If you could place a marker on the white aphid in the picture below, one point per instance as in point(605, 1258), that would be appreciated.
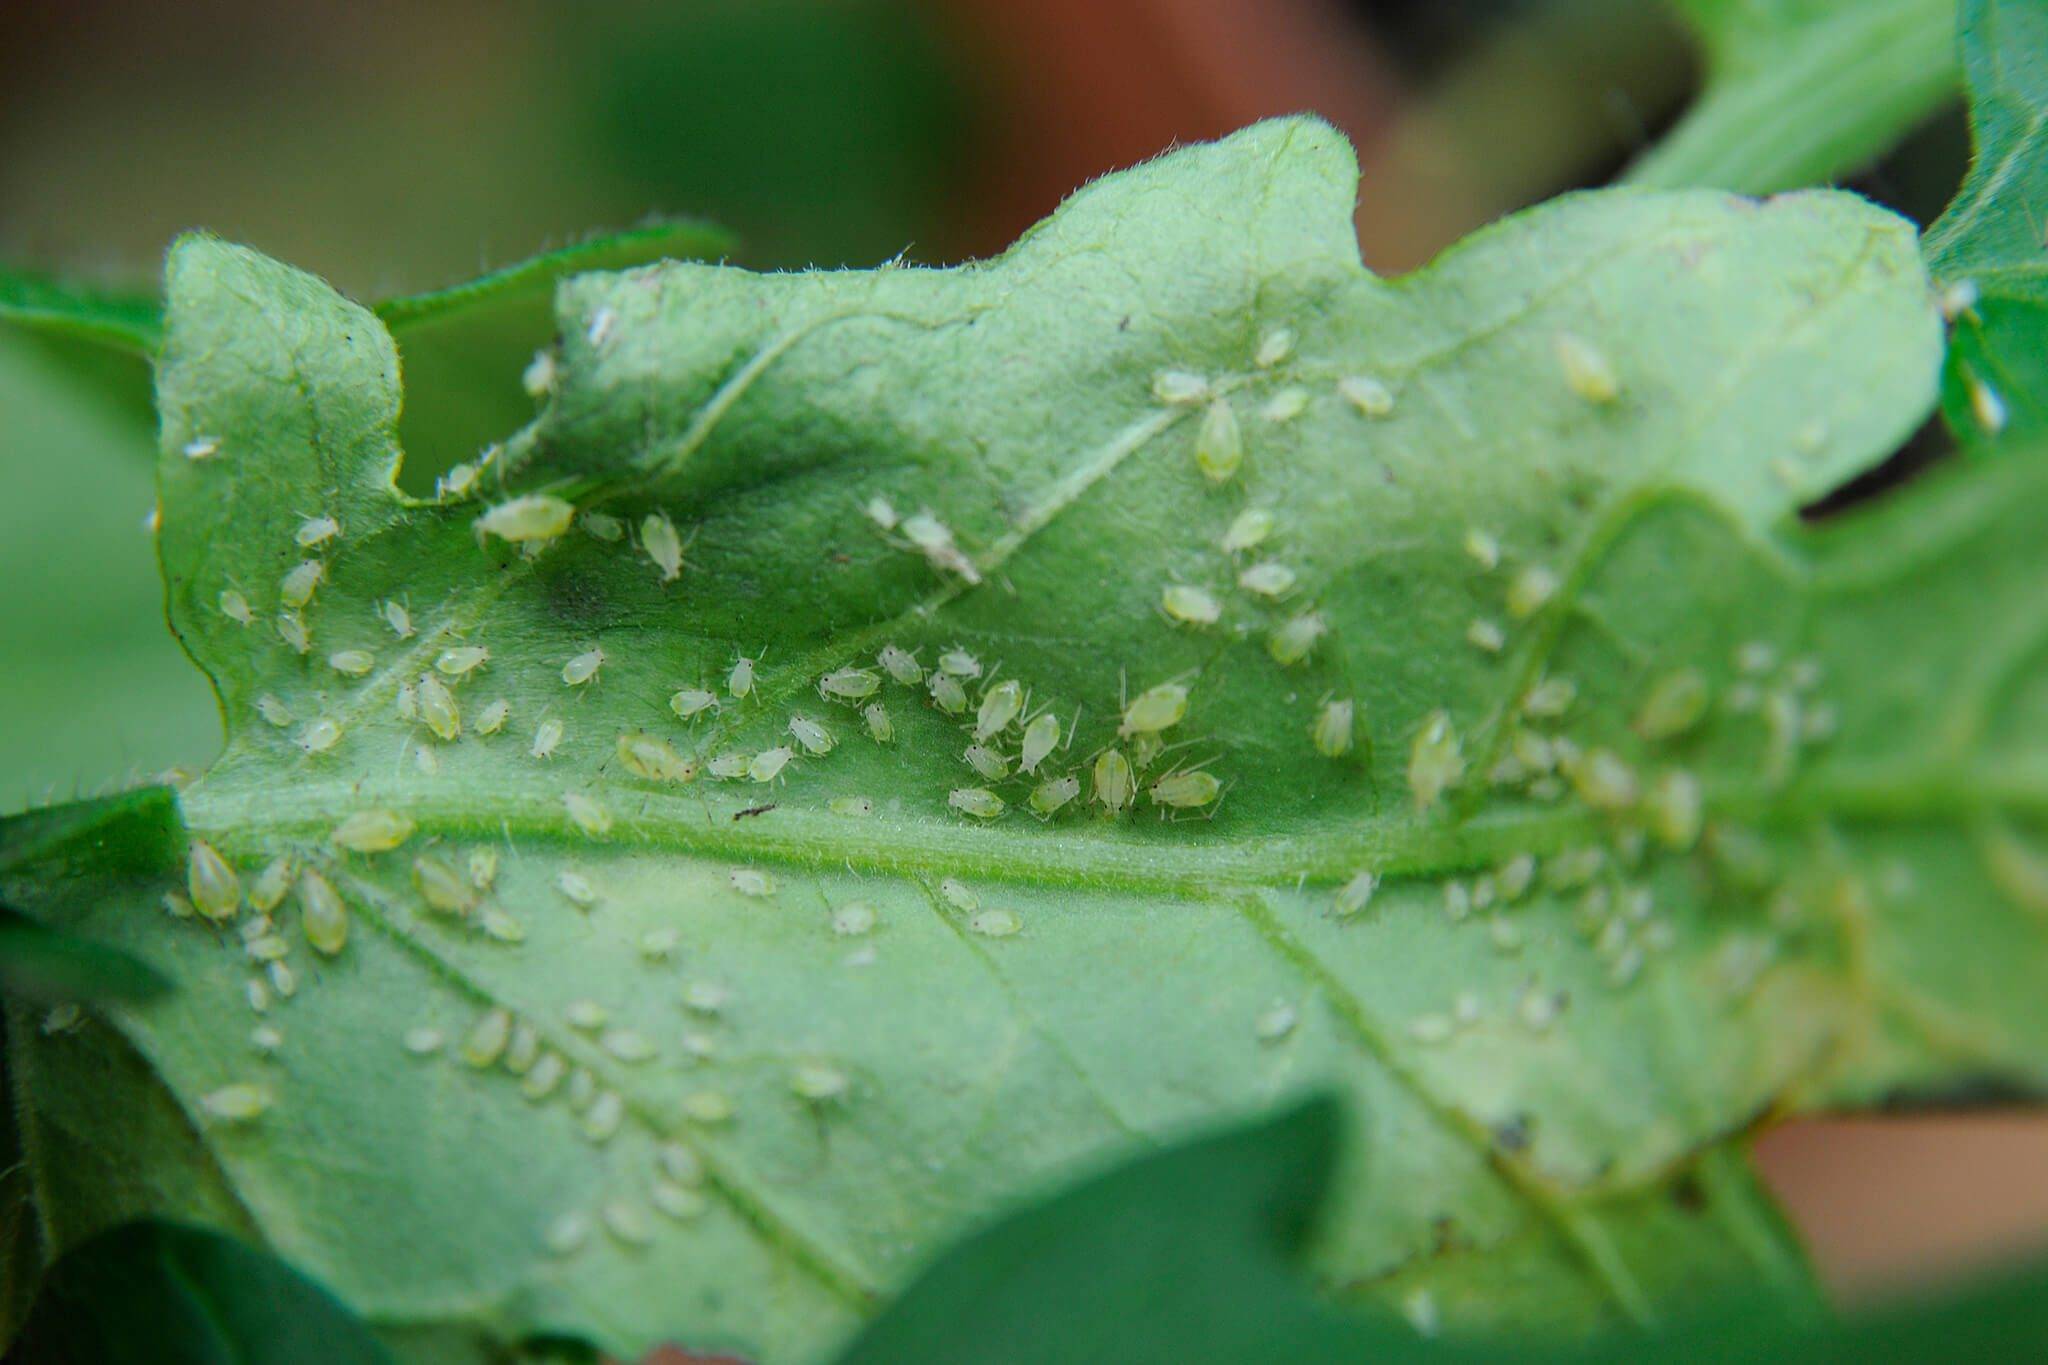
point(438, 707)
point(201, 448)
point(398, 618)
point(492, 718)
point(590, 816)
point(1368, 395)
point(691, 702)
point(816, 740)
point(979, 802)
point(880, 727)
point(460, 661)
point(601, 324)
point(1286, 405)
point(532, 518)
point(242, 1102)
point(935, 539)
point(997, 923)
point(1356, 893)
point(316, 531)
point(1486, 635)
point(1190, 605)
point(583, 667)
point(751, 881)
point(1248, 530)
point(1180, 388)
point(1530, 591)
point(1267, 578)
point(1296, 638)
point(235, 607)
point(767, 765)
point(959, 663)
point(301, 581)
point(273, 711)
point(1587, 370)
point(1334, 728)
point(1483, 547)
point(458, 483)
point(1275, 345)
point(291, 628)
point(901, 665)
point(881, 512)
point(740, 681)
point(547, 736)
point(1040, 736)
point(320, 736)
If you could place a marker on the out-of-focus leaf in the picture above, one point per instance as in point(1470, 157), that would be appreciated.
point(1799, 92)
point(37, 964)
point(172, 1295)
point(1988, 253)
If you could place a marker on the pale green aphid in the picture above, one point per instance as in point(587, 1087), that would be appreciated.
point(901, 665)
point(881, 512)
point(879, 726)
point(352, 663)
point(483, 867)
point(1115, 784)
point(1185, 790)
point(1486, 635)
point(767, 765)
point(816, 740)
point(1483, 547)
point(272, 884)
point(1587, 371)
point(653, 758)
point(1550, 698)
point(281, 979)
point(576, 887)
point(441, 887)
point(1275, 1022)
point(235, 607)
point(1040, 738)
point(707, 1106)
point(999, 706)
point(533, 518)
point(1368, 395)
point(1180, 388)
point(201, 448)
point(1603, 780)
point(740, 681)
point(524, 1049)
point(582, 668)
point(959, 663)
point(485, 1042)
point(661, 544)
point(316, 531)
point(216, 890)
point(1275, 345)
point(1267, 578)
point(1334, 727)
point(406, 701)
point(819, 1083)
point(986, 761)
point(300, 582)
point(935, 538)
point(372, 831)
point(729, 765)
point(1356, 893)
point(849, 684)
point(749, 881)
point(547, 736)
point(602, 526)
point(979, 802)
point(438, 708)
point(1296, 638)
point(458, 483)
point(997, 923)
point(1436, 759)
point(1530, 591)
point(273, 711)
point(629, 1045)
point(692, 702)
point(947, 694)
point(242, 1102)
point(462, 660)
point(1676, 702)
point(492, 718)
point(1673, 809)
point(1219, 445)
point(1248, 530)
point(1190, 605)
point(587, 1015)
point(1049, 796)
point(856, 806)
point(590, 816)
point(291, 628)
point(958, 894)
point(322, 913)
point(1286, 405)
point(1155, 709)
point(320, 736)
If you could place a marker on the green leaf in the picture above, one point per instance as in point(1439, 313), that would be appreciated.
point(124, 321)
point(132, 837)
point(1630, 393)
point(1190, 1255)
point(186, 1296)
point(1799, 92)
point(1182, 1255)
point(464, 348)
point(1986, 252)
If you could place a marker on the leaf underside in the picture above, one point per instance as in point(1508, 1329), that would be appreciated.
point(1553, 1024)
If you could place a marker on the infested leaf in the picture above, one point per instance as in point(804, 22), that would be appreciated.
point(652, 1043)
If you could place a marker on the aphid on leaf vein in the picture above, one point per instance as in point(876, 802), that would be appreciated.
point(372, 831)
point(590, 817)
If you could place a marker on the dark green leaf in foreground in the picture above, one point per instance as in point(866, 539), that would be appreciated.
point(176, 1295)
point(1799, 92)
point(1188, 1256)
point(1987, 252)
point(1686, 816)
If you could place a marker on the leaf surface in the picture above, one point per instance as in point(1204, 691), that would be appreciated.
point(1553, 1022)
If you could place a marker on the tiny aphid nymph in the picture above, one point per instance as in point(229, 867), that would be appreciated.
point(462, 660)
point(398, 618)
point(653, 758)
point(960, 663)
point(1248, 530)
point(374, 830)
point(1334, 728)
point(235, 607)
point(492, 718)
point(438, 707)
point(273, 710)
point(1275, 345)
point(1436, 759)
point(740, 681)
point(692, 702)
point(582, 668)
point(588, 814)
point(291, 628)
point(1356, 893)
point(301, 581)
point(1040, 736)
point(767, 765)
point(901, 665)
point(947, 694)
point(1180, 388)
point(1368, 395)
point(320, 735)
point(1219, 444)
point(547, 736)
point(986, 761)
point(751, 881)
point(881, 512)
point(816, 740)
point(1155, 709)
point(1185, 790)
point(1049, 796)
point(353, 663)
point(1296, 638)
point(880, 727)
point(1587, 372)
point(1115, 784)
point(1190, 605)
point(849, 684)
point(216, 890)
point(1530, 591)
point(1267, 578)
